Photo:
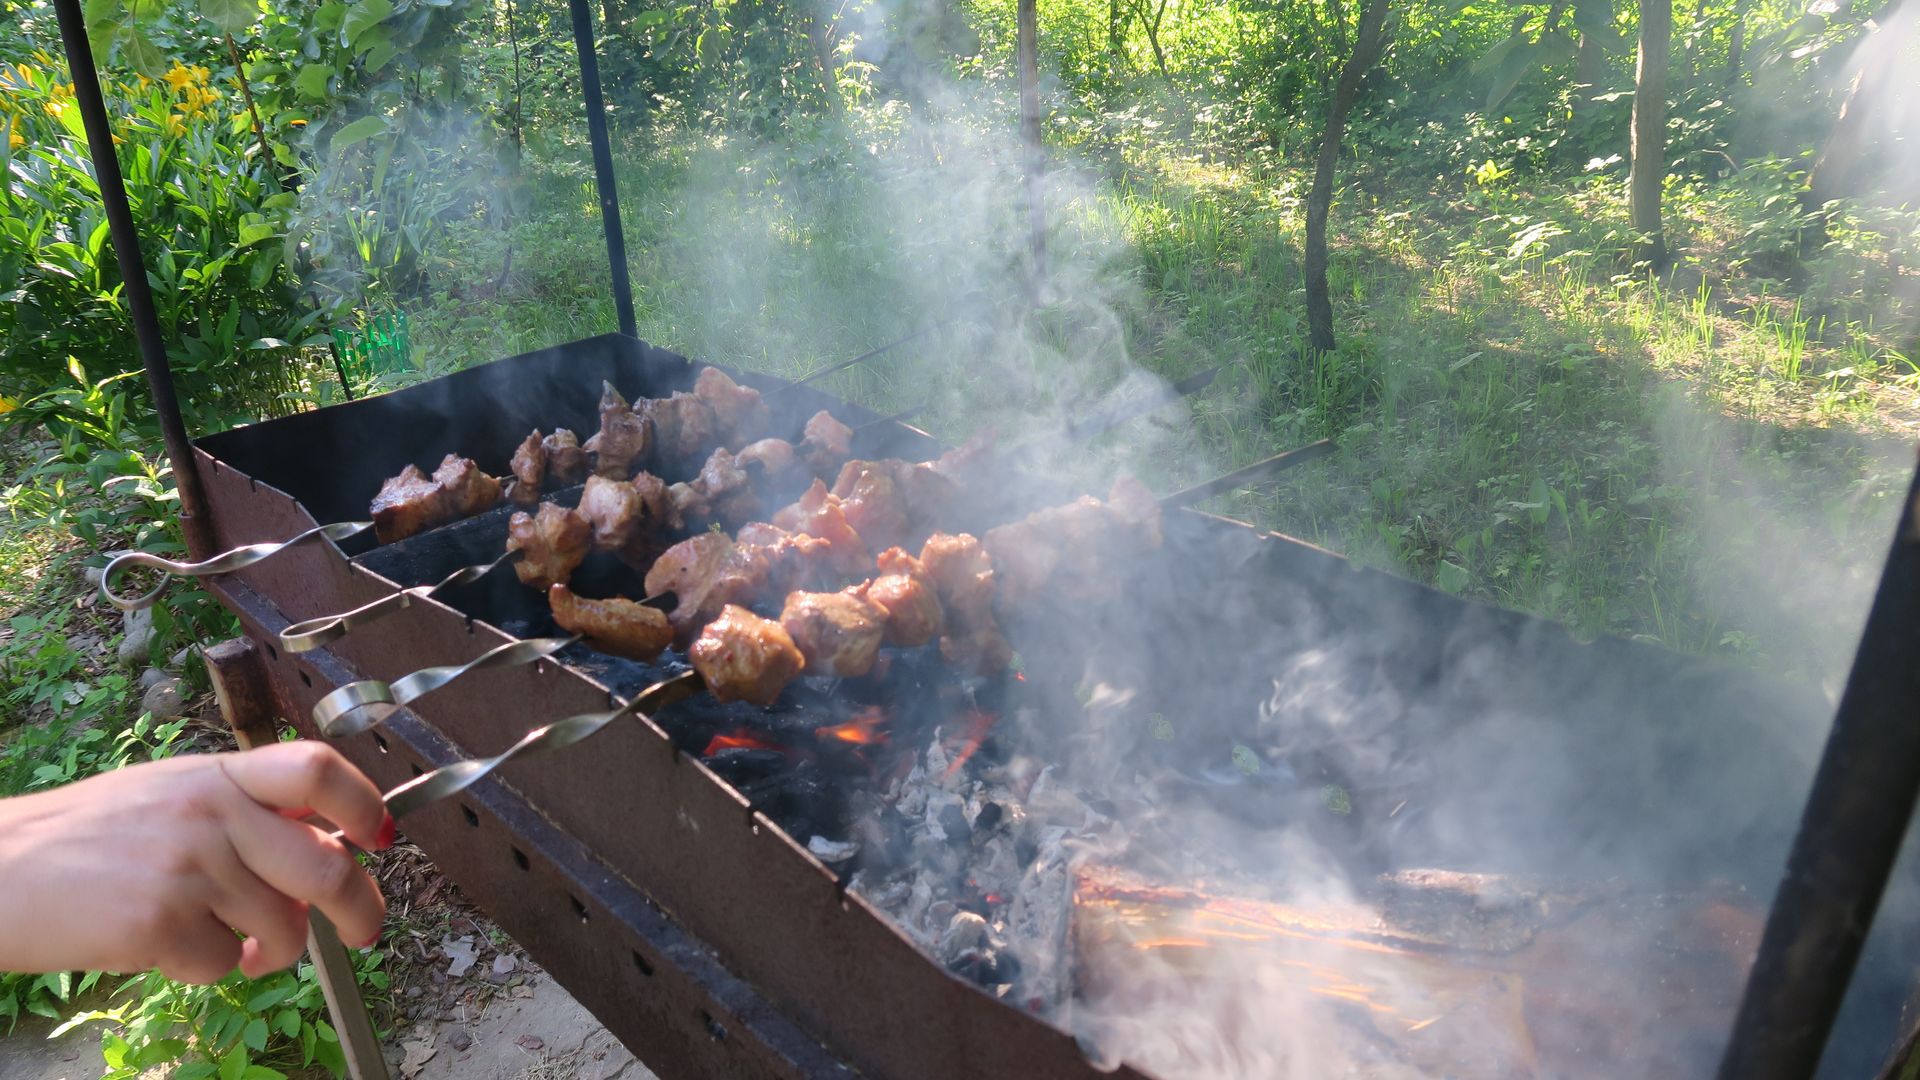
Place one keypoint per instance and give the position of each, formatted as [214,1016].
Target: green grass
[1520,418]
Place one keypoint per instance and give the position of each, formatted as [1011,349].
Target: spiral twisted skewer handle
[224,563]
[313,633]
[361,706]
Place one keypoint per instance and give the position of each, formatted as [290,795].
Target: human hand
[156,865]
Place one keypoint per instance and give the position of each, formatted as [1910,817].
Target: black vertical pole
[1850,833]
[194,522]
[603,165]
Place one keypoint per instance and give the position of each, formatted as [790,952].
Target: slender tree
[1650,130]
[1593,19]
[1367,46]
[1846,158]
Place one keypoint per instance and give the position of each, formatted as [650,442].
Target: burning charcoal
[740,764]
[964,931]
[953,822]
[832,851]
[880,831]
[988,817]
[1037,928]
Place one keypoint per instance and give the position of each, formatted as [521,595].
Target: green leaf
[312,80]
[261,1072]
[1245,759]
[231,16]
[287,1023]
[234,1065]
[255,228]
[1451,577]
[273,993]
[196,1070]
[254,1036]
[143,55]
[359,131]
[361,18]
[99,11]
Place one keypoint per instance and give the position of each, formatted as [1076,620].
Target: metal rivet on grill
[473,819]
[641,963]
[381,742]
[305,679]
[519,857]
[579,908]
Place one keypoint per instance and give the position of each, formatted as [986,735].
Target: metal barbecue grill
[694,921]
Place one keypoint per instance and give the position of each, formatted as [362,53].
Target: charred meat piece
[552,544]
[838,633]
[796,560]
[903,591]
[826,444]
[687,568]
[818,513]
[566,458]
[872,502]
[529,467]
[414,502]
[740,416]
[624,437]
[773,463]
[929,494]
[687,507]
[744,657]
[728,490]
[963,578]
[409,503]
[684,426]
[615,625]
[621,518]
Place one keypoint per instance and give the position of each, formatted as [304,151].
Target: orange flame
[738,740]
[862,730]
[978,724]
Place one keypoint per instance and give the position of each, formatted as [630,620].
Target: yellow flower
[143,81]
[176,124]
[15,140]
[179,76]
[57,97]
[297,122]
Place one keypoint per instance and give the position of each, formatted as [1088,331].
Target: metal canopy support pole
[1850,833]
[133,273]
[602,165]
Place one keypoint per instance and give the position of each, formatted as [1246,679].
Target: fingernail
[388,830]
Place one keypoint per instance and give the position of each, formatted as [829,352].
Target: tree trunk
[1841,169]
[1116,31]
[1366,50]
[1027,34]
[1650,131]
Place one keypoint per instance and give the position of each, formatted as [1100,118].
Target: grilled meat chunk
[705,573]
[740,416]
[744,657]
[413,502]
[684,426]
[552,543]
[727,489]
[796,560]
[963,578]
[1070,552]
[529,467]
[826,443]
[872,502]
[838,633]
[619,513]
[818,513]
[623,439]
[615,625]
[566,458]
[903,591]
[774,464]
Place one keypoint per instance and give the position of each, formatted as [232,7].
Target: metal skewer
[313,633]
[449,780]
[861,359]
[224,563]
[1120,414]
[363,705]
[1248,474]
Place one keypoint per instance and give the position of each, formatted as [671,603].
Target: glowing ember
[738,740]
[977,725]
[862,730]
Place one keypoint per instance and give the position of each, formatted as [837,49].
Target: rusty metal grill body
[711,942]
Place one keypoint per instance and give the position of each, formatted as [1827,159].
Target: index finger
[311,775]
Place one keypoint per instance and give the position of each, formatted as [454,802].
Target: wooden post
[1027,20]
[246,704]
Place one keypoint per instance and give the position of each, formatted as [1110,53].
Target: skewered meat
[413,502]
[529,467]
[796,560]
[773,462]
[744,657]
[826,444]
[684,426]
[553,543]
[963,577]
[904,593]
[566,458]
[728,490]
[872,502]
[615,625]
[623,437]
[739,413]
[818,513]
[705,573]
[1068,550]
[686,568]
[838,633]
[623,518]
